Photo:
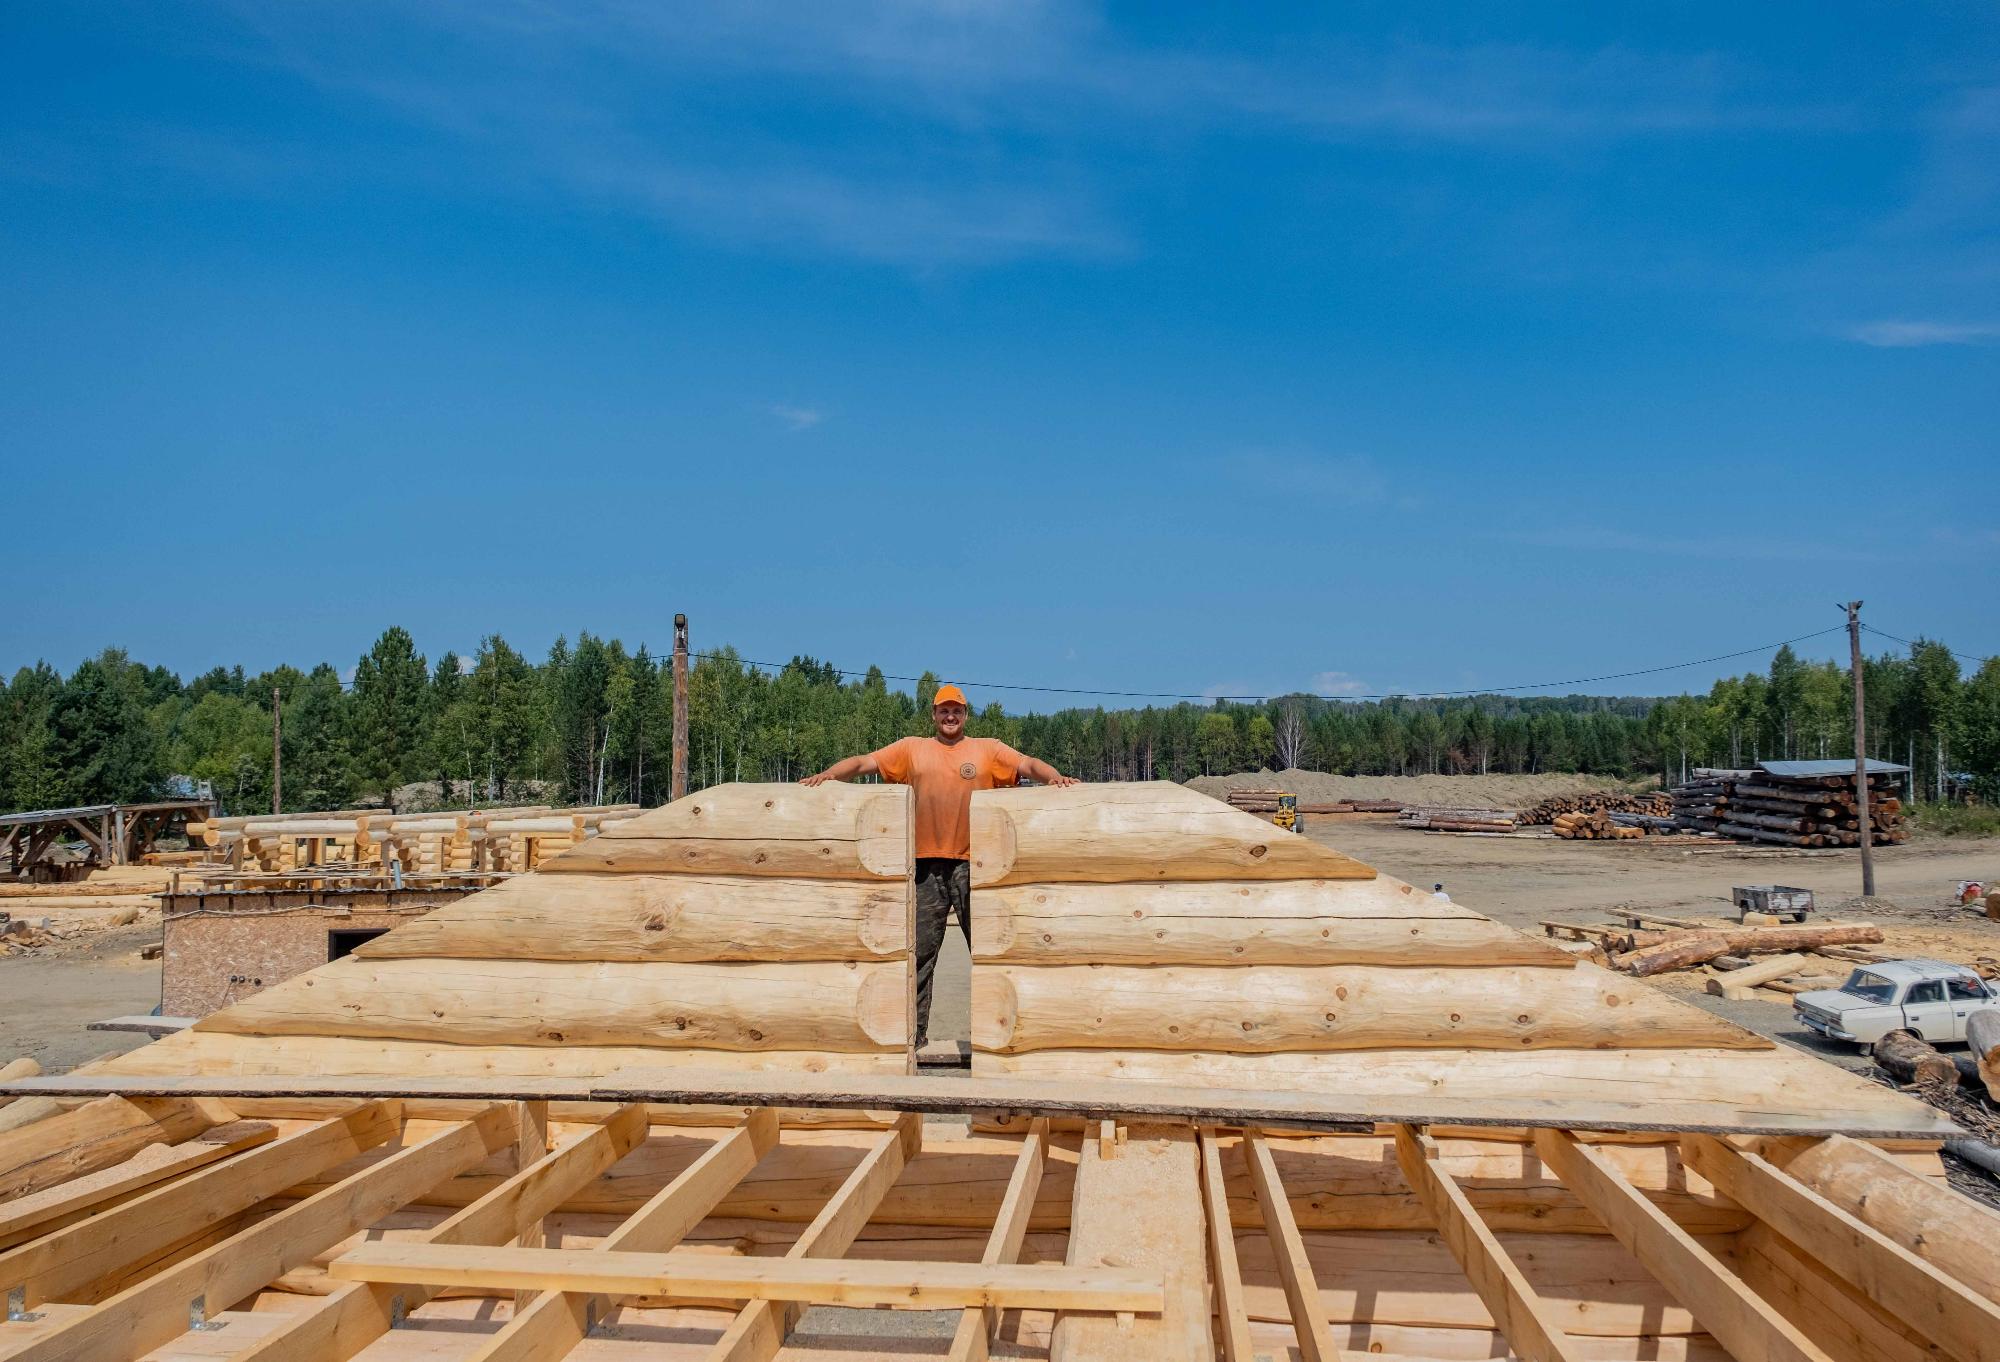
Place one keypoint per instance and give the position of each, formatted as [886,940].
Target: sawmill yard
[94,970]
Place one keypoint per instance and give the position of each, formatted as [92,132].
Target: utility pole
[277,754]
[680,780]
[1861,752]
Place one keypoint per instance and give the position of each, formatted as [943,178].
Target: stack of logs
[1658,804]
[1797,811]
[1657,952]
[1435,818]
[1595,825]
[1266,801]
[490,841]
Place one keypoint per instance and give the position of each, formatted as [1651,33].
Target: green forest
[592,723]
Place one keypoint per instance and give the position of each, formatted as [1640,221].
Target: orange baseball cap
[946,693]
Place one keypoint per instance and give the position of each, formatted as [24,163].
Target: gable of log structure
[761,925]
[1108,943]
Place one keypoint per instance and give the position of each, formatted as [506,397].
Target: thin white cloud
[1907,335]
[796,419]
[1338,683]
[1352,479]
[1596,539]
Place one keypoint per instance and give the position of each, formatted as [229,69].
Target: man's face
[949,718]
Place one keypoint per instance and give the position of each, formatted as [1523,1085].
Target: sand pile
[1484,792]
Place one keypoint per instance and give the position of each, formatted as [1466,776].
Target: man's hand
[1061,781]
[809,781]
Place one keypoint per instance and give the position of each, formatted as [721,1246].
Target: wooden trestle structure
[1234,1096]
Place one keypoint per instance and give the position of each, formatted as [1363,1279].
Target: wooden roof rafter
[1150,1232]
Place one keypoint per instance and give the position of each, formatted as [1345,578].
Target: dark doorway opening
[342,942]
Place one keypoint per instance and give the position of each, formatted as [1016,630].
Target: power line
[1403,695]
[1960,658]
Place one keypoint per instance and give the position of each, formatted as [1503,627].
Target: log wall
[764,925]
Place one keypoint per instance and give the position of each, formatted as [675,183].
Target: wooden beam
[1743,1322]
[1958,1320]
[46,1211]
[693,1275]
[1844,1106]
[531,1126]
[759,1329]
[351,1318]
[1010,1228]
[157,1310]
[1289,1250]
[1529,1326]
[1223,1268]
[557,1321]
[97,1135]
[61,1266]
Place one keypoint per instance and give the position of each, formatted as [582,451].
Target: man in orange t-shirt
[943,771]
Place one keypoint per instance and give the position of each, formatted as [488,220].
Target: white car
[1930,997]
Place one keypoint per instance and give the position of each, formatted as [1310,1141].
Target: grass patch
[1955,820]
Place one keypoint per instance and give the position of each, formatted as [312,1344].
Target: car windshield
[1873,987]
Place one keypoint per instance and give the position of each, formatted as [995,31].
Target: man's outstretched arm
[1039,771]
[847,768]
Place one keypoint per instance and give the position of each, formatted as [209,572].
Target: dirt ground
[48,996]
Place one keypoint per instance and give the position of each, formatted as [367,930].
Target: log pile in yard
[1440,818]
[1594,826]
[1647,953]
[1798,811]
[1658,804]
[1266,801]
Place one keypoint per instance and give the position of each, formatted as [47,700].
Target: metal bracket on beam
[198,1320]
[399,1310]
[17,1307]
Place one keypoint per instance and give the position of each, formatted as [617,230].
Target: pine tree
[389,707]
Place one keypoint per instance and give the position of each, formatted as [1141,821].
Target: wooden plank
[1961,1322]
[347,1321]
[60,1266]
[1223,1269]
[706,1276]
[1799,1096]
[152,1312]
[1530,1328]
[1294,1267]
[759,1329]
[531,1146]
[1140,1207]
[1010,1228]
[46,1211]
[1288,1008]
[1743,1322]
[557,1321]
[1138,832]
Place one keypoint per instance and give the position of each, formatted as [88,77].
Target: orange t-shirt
[944,777]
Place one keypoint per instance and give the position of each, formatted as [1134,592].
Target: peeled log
[1682,949]
[1952,1232]
[661,917]
[832,831]
[1270,1008]
[1907,1058]
[804,1006]
[1257,922]
[1982,1033]
[1144,831]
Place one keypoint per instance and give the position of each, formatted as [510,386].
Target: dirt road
[48,996]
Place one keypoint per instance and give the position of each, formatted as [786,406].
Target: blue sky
[1241,348]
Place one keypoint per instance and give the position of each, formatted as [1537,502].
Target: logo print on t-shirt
[967,769]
